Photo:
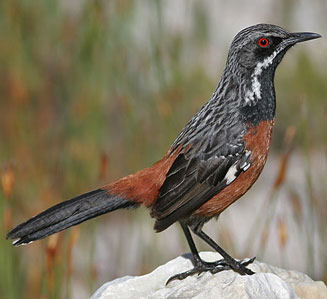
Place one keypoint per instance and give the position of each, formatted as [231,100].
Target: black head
[264,44]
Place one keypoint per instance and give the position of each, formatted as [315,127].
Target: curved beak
[298,37]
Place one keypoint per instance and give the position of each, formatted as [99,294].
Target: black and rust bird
[215,159]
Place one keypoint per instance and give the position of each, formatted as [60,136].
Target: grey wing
[192,180]
[213,154]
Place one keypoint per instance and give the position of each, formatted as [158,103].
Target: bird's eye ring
[263,42]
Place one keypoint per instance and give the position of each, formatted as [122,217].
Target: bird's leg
[228,261]
[199,265]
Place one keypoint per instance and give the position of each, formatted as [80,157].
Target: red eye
[263,42]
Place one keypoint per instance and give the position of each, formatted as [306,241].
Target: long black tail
[67,214]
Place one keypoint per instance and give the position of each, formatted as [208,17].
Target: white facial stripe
[264,64]
[256,86]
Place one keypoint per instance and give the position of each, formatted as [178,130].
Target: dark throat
[262,108]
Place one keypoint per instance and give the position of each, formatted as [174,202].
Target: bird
[214,160]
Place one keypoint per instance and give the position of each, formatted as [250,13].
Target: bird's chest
[256,140]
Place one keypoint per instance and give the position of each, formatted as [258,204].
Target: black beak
[299,37]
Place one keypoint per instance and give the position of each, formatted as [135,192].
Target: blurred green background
[94,90]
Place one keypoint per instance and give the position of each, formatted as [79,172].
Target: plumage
[214,160]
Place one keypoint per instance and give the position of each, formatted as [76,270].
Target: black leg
[197,262]
[239,267]
[190,242]
[202,266]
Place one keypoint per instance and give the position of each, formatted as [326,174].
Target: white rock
[269,282]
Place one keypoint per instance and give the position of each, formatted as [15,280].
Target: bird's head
[254,55]
[262,46]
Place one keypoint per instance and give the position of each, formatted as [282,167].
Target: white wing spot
[230,175]
[246,167]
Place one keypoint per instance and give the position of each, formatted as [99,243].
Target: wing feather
[187,188]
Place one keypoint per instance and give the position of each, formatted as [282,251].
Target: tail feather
[67,214]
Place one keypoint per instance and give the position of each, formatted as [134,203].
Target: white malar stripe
[264,64]
[256,86]
[231,173]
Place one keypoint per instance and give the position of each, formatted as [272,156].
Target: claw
[215,267]
[240,267]
[250,261]
[183,275]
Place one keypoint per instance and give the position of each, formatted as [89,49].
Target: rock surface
[268,282]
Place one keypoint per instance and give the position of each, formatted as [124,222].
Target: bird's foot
[201,266]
